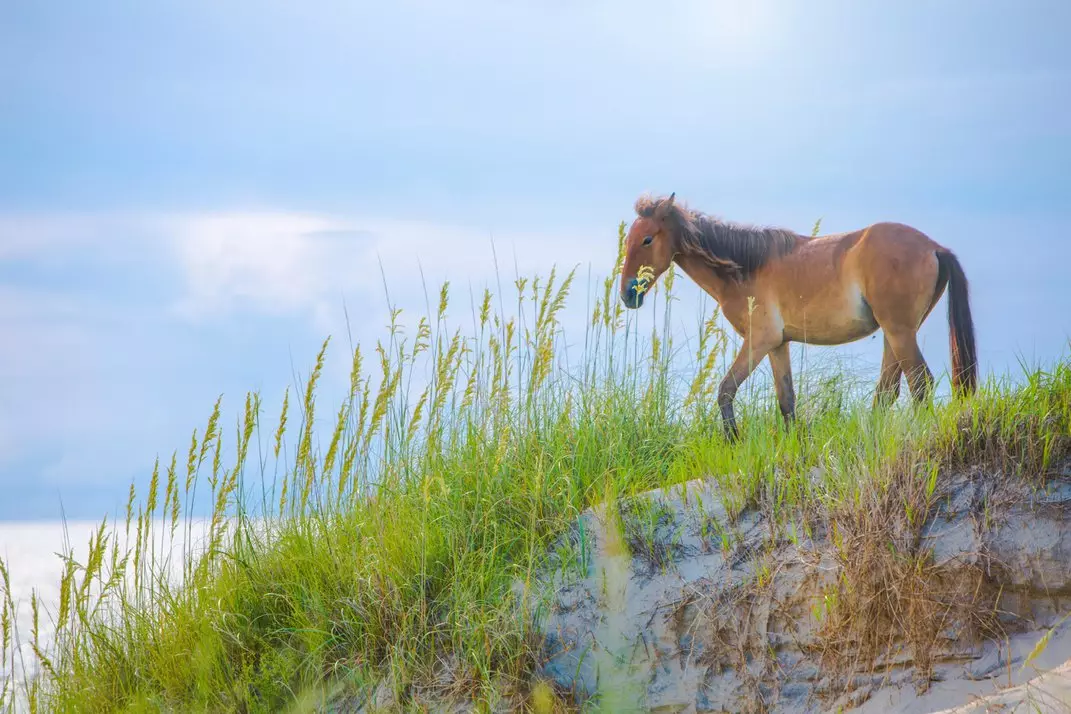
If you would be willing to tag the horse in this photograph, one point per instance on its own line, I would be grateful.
(775, 287)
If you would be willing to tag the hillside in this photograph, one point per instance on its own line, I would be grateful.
(479, 487)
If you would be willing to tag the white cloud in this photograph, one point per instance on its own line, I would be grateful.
(275, 263)
(279, 263)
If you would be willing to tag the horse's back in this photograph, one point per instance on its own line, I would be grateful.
(896, 237)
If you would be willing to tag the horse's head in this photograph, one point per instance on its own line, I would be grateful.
(650, 245)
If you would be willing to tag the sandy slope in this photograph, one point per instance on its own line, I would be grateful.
(699, 635)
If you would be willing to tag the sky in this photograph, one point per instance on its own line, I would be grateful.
(194, 194)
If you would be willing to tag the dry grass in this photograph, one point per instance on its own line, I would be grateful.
(891, 604)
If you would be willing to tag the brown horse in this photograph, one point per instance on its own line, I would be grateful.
(776, 287)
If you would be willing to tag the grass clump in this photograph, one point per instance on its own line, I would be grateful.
(388, 551)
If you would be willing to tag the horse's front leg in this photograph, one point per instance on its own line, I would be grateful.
(746, 360)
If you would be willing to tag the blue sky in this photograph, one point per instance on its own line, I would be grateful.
(191, 191)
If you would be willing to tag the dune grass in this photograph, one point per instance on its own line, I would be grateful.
(390, 550)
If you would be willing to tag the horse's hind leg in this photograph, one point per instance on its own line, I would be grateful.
(900, 297)
(888, 388)
(906, 348)
(781, 366)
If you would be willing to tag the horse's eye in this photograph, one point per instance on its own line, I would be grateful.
(647, 240)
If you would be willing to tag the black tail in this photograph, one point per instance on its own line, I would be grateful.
(960, 325)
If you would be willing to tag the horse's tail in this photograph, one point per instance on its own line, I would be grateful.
(960, 325)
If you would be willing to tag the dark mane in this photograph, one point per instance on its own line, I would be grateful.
(734, 250)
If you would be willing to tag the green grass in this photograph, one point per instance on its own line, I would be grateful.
(389, 550)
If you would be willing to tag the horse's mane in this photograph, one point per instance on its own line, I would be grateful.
(734, 250)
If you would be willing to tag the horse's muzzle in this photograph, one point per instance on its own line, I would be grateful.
(631, 295)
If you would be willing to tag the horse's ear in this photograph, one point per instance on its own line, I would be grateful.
(663, 206)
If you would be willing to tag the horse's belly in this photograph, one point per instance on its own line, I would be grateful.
(834, 320)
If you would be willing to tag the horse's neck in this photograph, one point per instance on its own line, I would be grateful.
(700, 272)
(730, 296)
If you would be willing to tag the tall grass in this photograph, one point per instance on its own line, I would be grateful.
(389, 552)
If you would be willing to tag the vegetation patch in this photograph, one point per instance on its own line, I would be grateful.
(373, 553)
